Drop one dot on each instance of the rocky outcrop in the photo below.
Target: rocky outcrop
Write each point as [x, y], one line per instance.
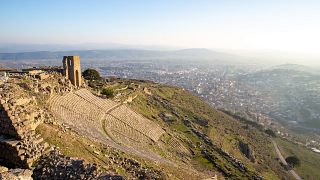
[166, 104]
[247, 151]
[136, 170]
[212, 157]
[57, 166]
[15, 174]
[166, 117]
[201, 121]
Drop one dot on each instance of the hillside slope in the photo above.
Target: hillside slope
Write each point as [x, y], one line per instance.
[146, 131]
[208, 139]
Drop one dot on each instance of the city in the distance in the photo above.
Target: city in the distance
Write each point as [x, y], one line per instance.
[159, 89]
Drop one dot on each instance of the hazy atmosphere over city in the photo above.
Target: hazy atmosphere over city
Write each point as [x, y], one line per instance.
[167, 89]
[281, 26]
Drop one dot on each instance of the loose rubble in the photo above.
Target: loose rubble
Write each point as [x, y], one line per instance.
[16, 174]
[19, 144]
[59, 166]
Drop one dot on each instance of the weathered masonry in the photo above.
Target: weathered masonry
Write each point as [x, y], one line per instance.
[72, 69]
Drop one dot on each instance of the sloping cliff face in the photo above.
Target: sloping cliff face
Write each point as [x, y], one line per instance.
[56, 130]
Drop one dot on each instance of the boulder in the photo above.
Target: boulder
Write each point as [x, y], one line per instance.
[246, 151]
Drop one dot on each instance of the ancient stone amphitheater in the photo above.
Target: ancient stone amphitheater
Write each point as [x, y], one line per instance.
[106, 121]
[26, 102]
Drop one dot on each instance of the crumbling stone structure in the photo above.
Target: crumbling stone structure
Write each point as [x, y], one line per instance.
[22, 109]
[20, 146]
[72, 69]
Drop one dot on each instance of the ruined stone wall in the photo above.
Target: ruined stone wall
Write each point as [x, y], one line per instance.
[21, 153]
[72, 69]
[22, 109]
[10, 154]
[19, 116]
[6, 125]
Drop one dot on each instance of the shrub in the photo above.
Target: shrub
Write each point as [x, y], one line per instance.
[107, 92]
[91, 74]
[293, 161]
[270, 133]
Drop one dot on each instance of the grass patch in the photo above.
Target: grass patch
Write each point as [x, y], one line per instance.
[165, 92]
[69, 145]
[180, 127]
[204, 162]
[269, 175]
[309, 168]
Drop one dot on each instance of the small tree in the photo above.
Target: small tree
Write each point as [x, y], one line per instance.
[91, 74]
[107, 92]
[271, 133]
[293, 161]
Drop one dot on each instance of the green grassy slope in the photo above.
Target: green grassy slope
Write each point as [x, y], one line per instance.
[198, 137]
[309, 167]
[223, 130]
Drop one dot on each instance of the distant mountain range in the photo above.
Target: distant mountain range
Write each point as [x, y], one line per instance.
[16, 48]
[296, 67]
[125, 54]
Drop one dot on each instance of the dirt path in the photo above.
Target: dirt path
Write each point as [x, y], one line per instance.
[294, 174]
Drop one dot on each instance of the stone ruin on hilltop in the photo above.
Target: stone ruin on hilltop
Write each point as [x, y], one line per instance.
[57, 95]
[23, 97]
[72, 69]
[20, 113]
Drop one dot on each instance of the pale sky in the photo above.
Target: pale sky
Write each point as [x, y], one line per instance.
[282, 25]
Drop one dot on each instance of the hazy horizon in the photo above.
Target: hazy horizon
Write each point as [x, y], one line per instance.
[268, 30]
[289, 26]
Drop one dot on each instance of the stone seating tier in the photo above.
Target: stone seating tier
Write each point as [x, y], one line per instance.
[85, 112]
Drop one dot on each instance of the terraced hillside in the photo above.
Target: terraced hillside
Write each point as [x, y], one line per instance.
[106, 121]
[137, 122]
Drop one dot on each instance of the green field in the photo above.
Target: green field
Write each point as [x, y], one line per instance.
[309, 168]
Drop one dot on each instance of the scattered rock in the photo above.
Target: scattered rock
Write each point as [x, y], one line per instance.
[166, 117]
[17, 174]
[3, 169]
[59, 166]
